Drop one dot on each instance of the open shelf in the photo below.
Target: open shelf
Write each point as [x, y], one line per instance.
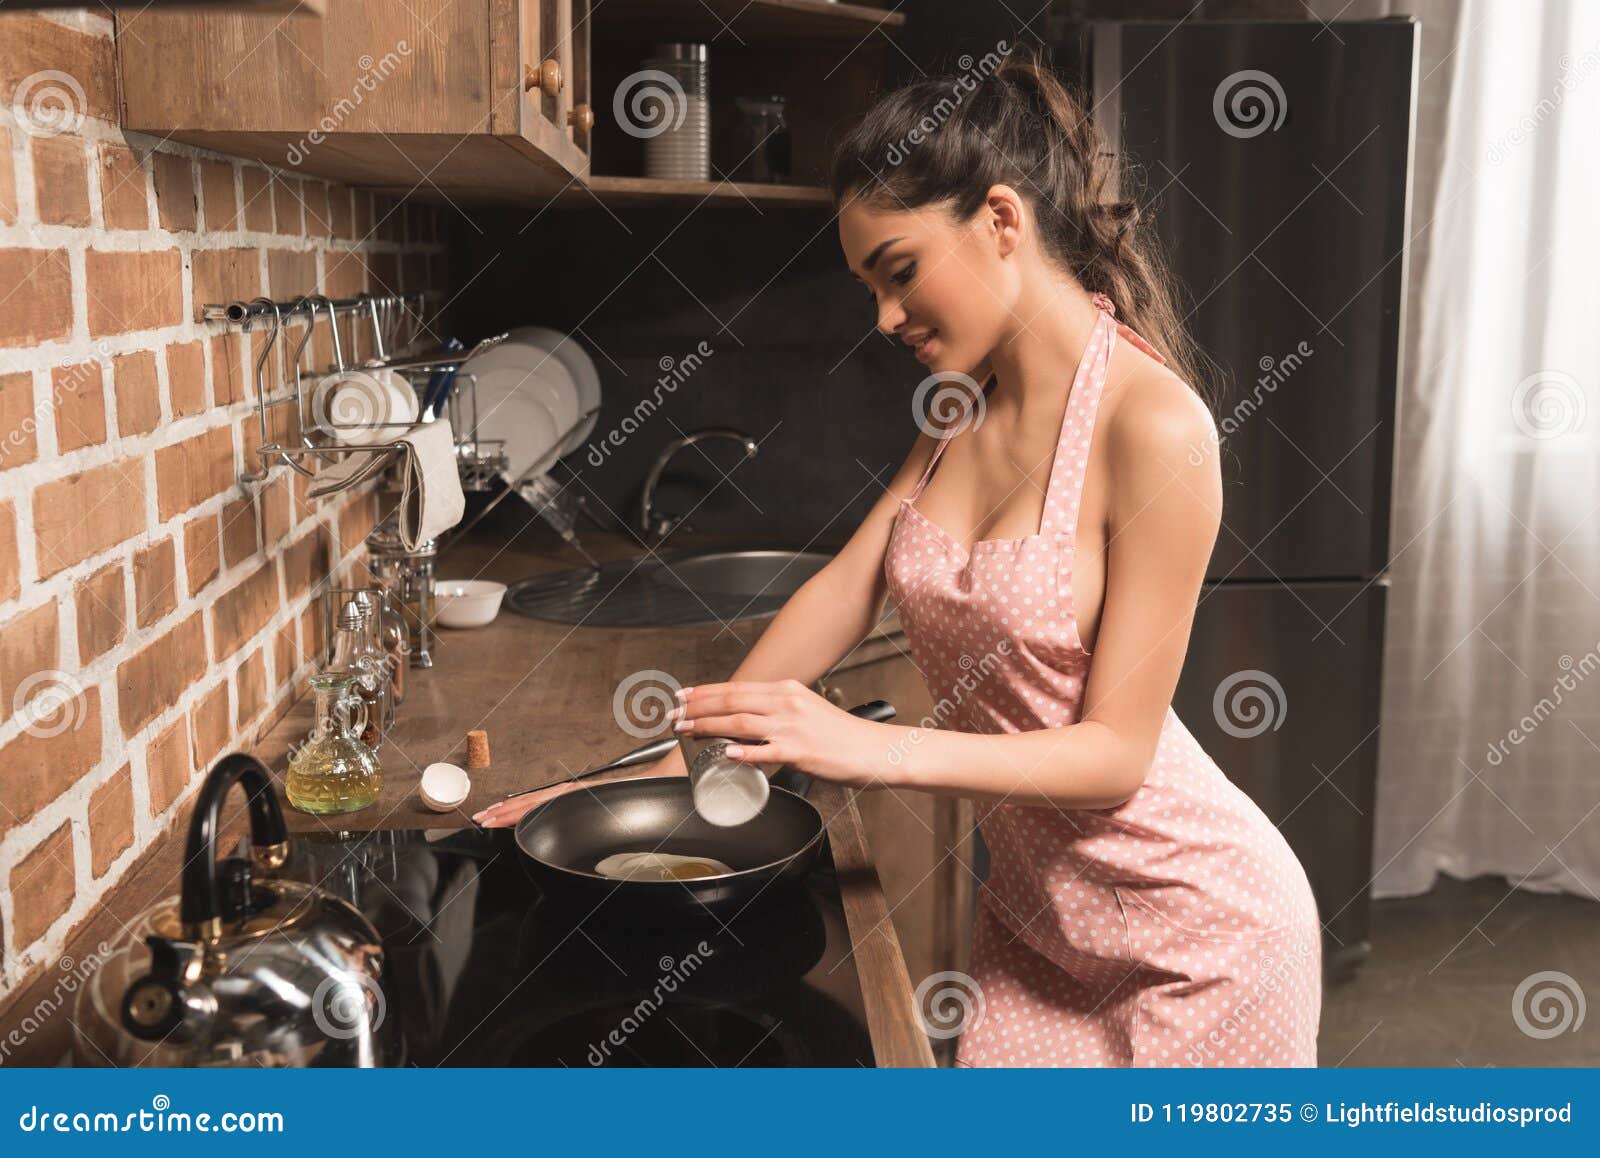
[620, 192]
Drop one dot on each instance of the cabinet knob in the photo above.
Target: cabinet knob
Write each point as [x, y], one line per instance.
[581, 118]
[545, 77]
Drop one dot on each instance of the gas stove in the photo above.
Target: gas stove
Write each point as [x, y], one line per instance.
[483, 971]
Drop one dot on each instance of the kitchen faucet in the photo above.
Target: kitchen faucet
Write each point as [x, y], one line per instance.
[656, 527]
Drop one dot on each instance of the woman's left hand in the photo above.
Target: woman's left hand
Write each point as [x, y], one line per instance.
[788, 723]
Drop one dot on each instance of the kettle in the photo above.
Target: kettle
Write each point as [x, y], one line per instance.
[244, 968]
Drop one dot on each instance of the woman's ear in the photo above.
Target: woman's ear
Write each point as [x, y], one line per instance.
[1006, 218]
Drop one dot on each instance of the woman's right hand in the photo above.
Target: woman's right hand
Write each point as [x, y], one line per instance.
[505, 813]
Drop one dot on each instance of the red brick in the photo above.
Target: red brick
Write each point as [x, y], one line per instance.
[124, 188]
[61, 180]
[43, 763]
[8, 180]
[286, 204]
[291, 272]
[102, 613]
[344, 276]
[242, 611]
[42, 887]
[307, 562]
[155, 582]
[319, 219]
[200, 554]
[152, 679]
[341, 218]
[209, 723]
[257, 186]
[19, 440]
[32, 44]
[192, 471]
[174, 185]
[225, 275]
[30, 646]
[111, 820]
[285, 656]
[133, 291]
[84, 513]
[39, 296]
[313, 642]
[275, 514]
[170, 765]
[252, 697]
[80, 403]
[221, 200]
[241, 531]
[227, 372]
[138, 392]
[186, 378]
[10, 562]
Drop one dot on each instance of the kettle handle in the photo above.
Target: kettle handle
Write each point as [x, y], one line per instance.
[202, 902]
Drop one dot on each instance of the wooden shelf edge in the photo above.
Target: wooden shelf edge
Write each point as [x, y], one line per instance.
[750, 18]
[646, 191]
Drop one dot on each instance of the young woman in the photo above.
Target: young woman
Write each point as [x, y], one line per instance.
[1140, 909]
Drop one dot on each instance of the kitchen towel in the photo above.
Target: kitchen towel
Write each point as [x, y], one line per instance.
[431, 501]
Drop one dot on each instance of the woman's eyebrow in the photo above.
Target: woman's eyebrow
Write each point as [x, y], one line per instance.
[877, 252]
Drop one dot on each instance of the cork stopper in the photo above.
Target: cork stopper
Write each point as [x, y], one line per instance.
[477, 749]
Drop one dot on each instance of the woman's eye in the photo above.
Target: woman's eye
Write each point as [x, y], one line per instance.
[904, 276]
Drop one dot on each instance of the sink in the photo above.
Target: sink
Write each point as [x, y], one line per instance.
[674, 591]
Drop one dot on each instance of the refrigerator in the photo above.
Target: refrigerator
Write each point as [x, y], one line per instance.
[1281, 154]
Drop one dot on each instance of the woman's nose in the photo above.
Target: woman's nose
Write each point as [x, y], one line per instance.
[890, 317]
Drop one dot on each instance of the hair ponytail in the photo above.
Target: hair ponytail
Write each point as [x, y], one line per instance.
[1008, 120]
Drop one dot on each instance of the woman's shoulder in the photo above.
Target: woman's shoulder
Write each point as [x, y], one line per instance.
[1152, 415]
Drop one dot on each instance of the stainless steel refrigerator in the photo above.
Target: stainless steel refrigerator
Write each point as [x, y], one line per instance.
[1281, 154]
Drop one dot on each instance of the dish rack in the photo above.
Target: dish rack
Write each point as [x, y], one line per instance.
[446, 386]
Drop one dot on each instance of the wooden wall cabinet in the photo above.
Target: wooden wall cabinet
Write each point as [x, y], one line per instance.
[482, 102]
[476, 100]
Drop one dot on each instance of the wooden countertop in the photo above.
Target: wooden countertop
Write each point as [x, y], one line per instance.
[543, 692]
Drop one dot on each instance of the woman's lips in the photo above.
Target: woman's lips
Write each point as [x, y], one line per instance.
[928, 347]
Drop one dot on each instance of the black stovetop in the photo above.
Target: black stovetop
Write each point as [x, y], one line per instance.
[483, 971]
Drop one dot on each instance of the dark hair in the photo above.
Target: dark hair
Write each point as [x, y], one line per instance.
[1008, 120]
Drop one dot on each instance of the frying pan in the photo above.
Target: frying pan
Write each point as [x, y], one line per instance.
[564, 838]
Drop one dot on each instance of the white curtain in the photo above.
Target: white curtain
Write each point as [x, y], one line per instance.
[1489, 754]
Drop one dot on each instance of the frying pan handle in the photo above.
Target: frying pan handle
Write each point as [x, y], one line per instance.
[878, 711]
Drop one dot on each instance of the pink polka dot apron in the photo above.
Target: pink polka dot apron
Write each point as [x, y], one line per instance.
[1176, 929]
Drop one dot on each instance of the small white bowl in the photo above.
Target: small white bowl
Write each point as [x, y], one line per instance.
[466, 602]
[444, 787]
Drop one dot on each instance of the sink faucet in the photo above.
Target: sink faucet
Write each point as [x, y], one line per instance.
[656, 527]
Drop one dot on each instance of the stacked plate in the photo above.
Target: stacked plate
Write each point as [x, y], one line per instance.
[538, 392]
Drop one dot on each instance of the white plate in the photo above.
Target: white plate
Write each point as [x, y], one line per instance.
[548, 380]
[571, 354]
[507, 410]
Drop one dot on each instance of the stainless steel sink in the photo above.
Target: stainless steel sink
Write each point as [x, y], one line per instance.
[675, 591]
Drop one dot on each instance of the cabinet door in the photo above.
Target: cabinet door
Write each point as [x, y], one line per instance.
[921, 844]
[553, 41]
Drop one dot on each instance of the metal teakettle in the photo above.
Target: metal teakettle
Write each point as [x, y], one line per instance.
[244, 968]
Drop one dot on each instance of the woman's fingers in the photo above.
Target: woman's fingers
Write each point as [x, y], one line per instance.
[740, 726]
[505, 813]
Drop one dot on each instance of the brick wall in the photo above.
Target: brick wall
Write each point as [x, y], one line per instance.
[153, 613]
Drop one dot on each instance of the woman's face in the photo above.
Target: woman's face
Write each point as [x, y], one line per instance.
[946, 288]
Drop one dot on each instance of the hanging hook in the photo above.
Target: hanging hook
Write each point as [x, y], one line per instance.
[261, 385]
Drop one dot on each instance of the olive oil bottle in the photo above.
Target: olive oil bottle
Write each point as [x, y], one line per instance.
[333, 771]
